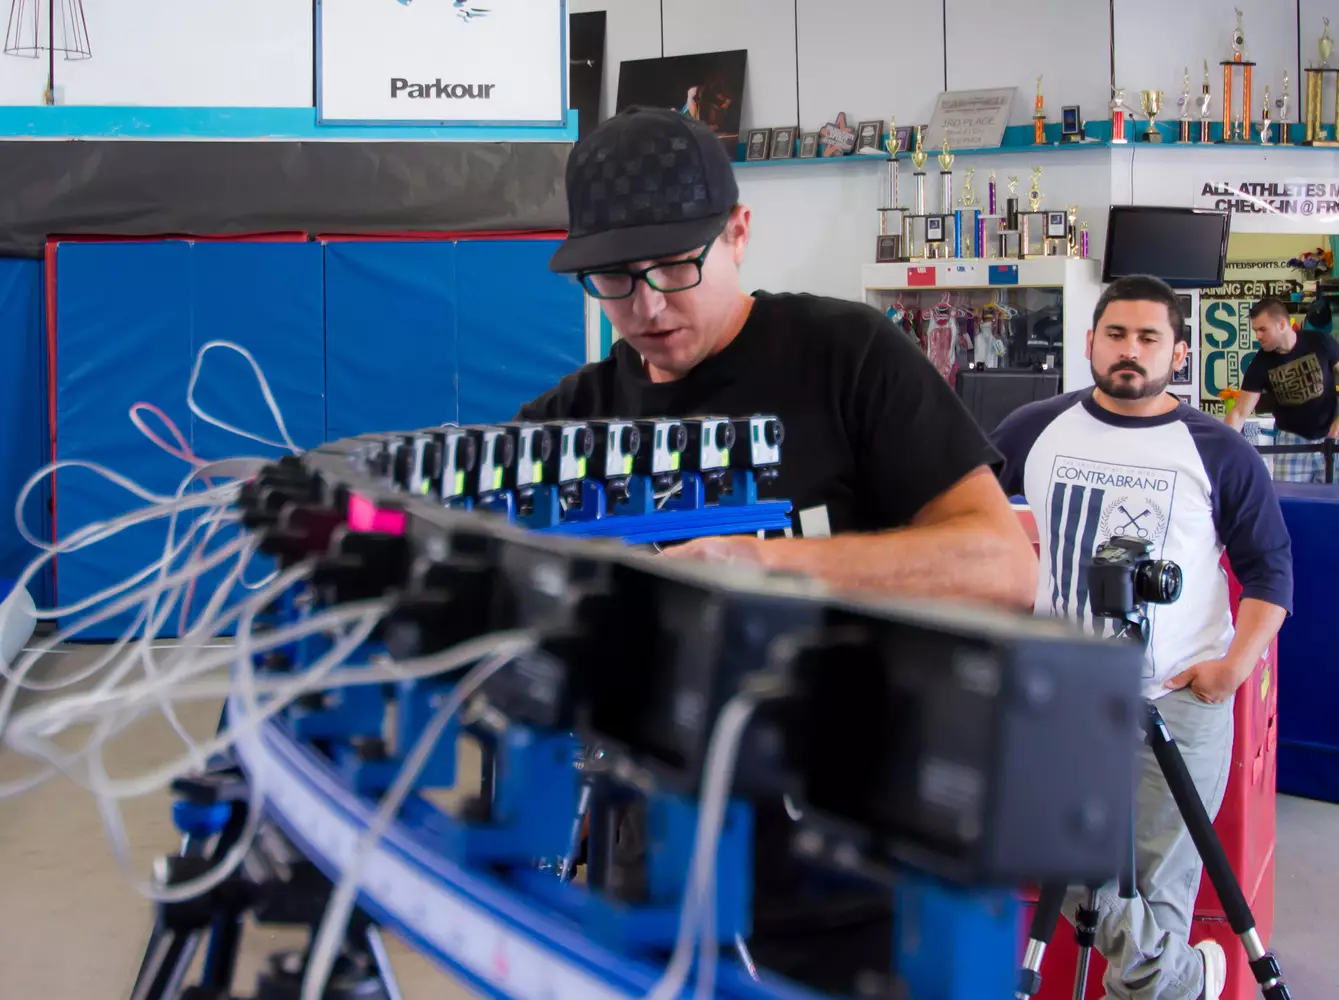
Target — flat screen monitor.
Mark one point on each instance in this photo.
(1185, 247)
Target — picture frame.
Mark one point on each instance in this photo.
(782, 145)
(934, 229)
(889, 249)
(1183, 398)
(757, 147)
(1184, 374)
(906, 139)
(1071, 121)
(808, 145)
(1057, 226)
(867, 136)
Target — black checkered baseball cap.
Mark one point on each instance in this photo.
(647, 183)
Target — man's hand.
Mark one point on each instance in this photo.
(721, 548)
(1212, 681)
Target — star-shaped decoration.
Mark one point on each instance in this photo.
(836, 138)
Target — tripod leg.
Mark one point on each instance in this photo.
(382, 959)
(1264, 965)
(166, 962)
(1044, 920)
(1085, 932)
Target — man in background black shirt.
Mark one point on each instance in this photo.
(1298, 369)
(879, 453)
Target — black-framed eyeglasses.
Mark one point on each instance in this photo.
(668, 276)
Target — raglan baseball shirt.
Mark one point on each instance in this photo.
(1182, 481)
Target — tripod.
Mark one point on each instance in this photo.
(1045, 918)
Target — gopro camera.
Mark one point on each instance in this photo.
(616, 444)
(661, 453)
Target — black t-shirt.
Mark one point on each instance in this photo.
(1301, 382)
(872, 432)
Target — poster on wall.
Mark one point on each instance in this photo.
(1257, 266)
(441, 62)
(708, 86)
(1268, 204)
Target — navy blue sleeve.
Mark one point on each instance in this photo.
(1246, 512)
(1018, 432)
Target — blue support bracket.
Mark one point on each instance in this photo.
(955, 943)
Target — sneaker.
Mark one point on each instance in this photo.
(1215, 968)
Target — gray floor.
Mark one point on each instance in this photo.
(74, 928)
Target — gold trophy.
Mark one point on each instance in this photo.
(1151, 102)
(1284, 104)
(1317, 131)
(1266, 124)
(1034, 196)
(918, 158)
(1072, 231)
(945, 179)
(968, 197)
(1205, 98)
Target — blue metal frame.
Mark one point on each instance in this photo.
(539, 127)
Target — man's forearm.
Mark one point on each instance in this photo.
(970, 558)
(1257, 623)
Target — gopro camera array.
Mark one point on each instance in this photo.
(544, 472)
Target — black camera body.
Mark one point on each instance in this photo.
(1123, 578)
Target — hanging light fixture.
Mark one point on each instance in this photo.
(66, 32)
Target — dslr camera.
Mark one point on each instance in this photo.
(1123, 579)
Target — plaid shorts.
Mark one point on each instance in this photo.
(1305, 467)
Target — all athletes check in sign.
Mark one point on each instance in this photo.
(1274, 204)
(442, 62)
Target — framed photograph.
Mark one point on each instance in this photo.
(934, 229)
(1183, 399)
(906, 139)
(867, 138)
(889, 249)
(1056, 226)
(808, 145)
(708, 86)
(757, 147)
(1071, 121)
(783, 143)
(1181, 376)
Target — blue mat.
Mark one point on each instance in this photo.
(390, 336)
(1308, 678)
(130, 317)
(521, 327)
(24, 444)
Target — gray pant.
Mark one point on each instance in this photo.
(1145, 939)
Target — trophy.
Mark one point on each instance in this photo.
(890, 243)
(1317, 131)
(1151, 102)
(1072, 231)
(1265, 123)
(918, 158)
(1119, 113)
(1039, 118)
(945, 179)
(1034, 196)
(1083, 241)
(1242, 130)
(991, 190)
(1183, 102)
(1011, 204)
(1283, 103)
(1206, 98)
(968, 197)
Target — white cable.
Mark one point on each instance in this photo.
(334, 922)
(264, 388)
(699, 904)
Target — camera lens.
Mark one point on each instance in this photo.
(1158, 581)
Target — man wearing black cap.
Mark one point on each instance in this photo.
(879, 453)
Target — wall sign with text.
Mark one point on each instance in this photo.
(442, 62)
(1274, 204)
